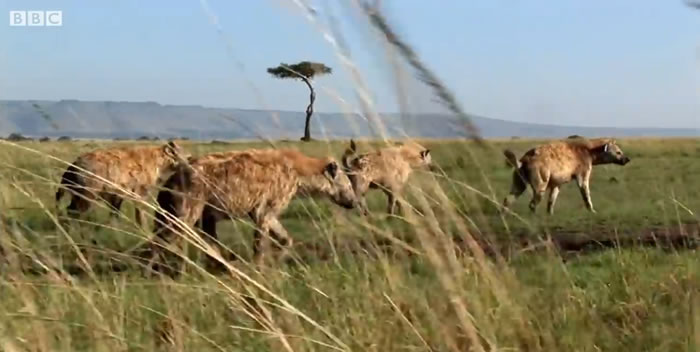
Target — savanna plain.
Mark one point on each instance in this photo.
(452, 273)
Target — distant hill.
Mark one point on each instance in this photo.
(109, 119)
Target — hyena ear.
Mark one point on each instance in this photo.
(425, 153)
(353, 147)
(332, 169)
(171, 148)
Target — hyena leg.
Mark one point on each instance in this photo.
(208, 226)
(517, 188)
(364, 209)
(79, 204)
(536, 199)
(261, 244)
(393, 204)
(115, 203)
(583, 186)
(266, 229)
(280, 235)
(553, 194)
(208, 222)
(167, 231)
(539, 187)
(261, 238)
(361, 188)
(139, 215)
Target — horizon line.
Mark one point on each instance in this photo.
(345, 113)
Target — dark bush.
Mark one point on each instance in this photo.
(16, 137)
(45, 139)
(64, 139)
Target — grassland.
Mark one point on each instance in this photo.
(431, 289)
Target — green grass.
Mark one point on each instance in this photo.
(346, 295)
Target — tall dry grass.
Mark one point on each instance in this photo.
(420, 281)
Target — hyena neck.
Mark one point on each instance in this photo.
(165, 167)
(599, 159)
(310, 186)
(597, 151)
(592, 148)
(304, 165)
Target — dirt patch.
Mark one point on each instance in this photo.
(570, 243)
(567, 243)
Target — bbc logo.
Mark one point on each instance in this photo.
(36, 18)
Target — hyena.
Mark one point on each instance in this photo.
(549, 166)
(387, 169)
(258, 184)
(106, 173)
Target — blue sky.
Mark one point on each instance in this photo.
(600, 63)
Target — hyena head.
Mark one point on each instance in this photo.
(425, 158)
(610, 153)
(334, 183)
(417, 155)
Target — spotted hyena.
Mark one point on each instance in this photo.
(255, 184)
(387, 169)
(111, 174)
(549, 166)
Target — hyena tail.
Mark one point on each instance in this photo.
(511, 159)
(69, 180)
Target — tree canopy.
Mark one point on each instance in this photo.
(307, 69)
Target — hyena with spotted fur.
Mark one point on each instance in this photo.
(387, 169)
(258, 184)
(549, 166)
(106, 173)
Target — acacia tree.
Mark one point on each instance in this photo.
(305, 71)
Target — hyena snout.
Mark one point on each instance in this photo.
(341, 192)
(622, 160)
(346, 198)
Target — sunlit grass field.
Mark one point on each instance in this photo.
(417, 282)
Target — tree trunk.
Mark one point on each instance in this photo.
(309, 111)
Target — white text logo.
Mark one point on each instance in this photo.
(36, 18)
